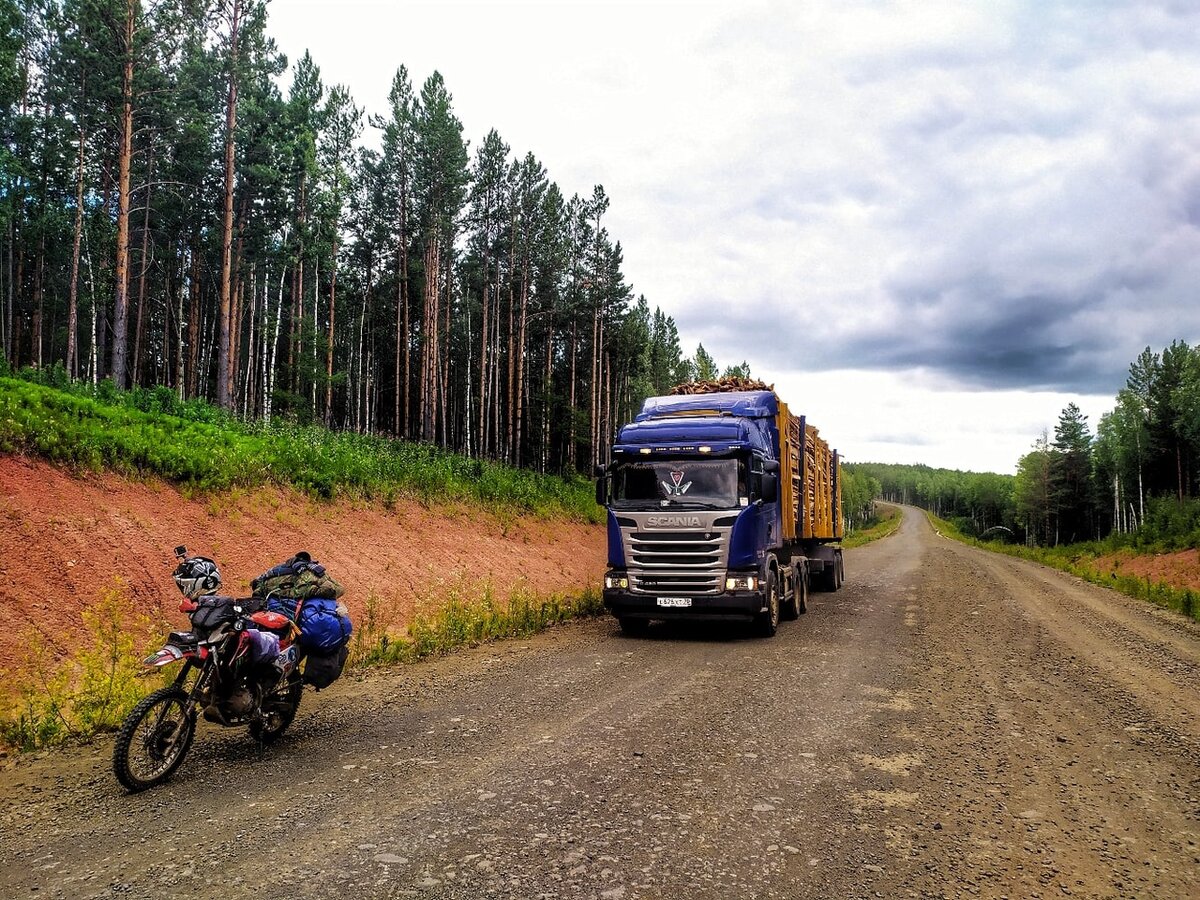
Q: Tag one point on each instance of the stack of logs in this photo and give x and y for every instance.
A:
(721, 385)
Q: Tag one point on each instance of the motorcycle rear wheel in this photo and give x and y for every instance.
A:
(154, 739)
(275, 722)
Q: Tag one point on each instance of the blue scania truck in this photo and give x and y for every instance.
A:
(721, 505)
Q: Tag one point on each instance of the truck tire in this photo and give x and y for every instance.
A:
(633, 627)
(841, 570)
(799, 602)
(829, 580)
(767, 622)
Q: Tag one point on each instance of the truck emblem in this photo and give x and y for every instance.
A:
(675, 489)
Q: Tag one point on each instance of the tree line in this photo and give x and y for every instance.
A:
(1137, 471)
(171, 216)
(1135, 475)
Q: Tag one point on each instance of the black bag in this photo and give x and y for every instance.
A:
(323, 669)
(212, 612)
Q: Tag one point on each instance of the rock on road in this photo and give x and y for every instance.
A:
(951, 723)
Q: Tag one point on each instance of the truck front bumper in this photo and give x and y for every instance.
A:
(736, 605)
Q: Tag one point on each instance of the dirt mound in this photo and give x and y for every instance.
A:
(1180, 569)
(64, 538)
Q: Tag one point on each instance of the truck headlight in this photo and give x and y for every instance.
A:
(616, 580)
(739, 581)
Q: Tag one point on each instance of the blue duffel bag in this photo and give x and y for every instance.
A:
(322, 629)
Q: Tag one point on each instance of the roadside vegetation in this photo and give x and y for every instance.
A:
(1084, 561)
(885, 521)
(47, 699)
(1081, 499)
(149, 431)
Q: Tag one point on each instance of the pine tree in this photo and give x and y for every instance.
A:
(440, 167)
(343, 124)
(399, 140)
(704, 366)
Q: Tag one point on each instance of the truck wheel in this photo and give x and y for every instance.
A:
(795, 606)
(633, 627)
(829, 581)
(767, 622)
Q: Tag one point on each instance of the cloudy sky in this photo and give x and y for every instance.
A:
(931, 225)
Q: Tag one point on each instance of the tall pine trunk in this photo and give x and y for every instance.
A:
(333, 273)
(139, 330)
(124, 159)
(225, 355)
(76, 245)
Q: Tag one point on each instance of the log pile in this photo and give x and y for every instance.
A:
(721, 386)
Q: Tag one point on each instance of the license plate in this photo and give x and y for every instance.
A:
(674, 601)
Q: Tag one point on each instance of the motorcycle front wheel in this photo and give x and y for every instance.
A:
(154, 739)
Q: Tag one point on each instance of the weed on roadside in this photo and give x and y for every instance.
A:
(465, 619)
(888, 524)
(1080, 562)
(48, 699)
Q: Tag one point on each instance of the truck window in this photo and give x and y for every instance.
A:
(709, 482)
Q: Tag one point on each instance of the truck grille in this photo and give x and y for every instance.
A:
(681, 562)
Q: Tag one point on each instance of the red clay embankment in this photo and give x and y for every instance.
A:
(64, 537)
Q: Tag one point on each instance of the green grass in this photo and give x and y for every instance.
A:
(888, 523)
(150, 432)
(1080, 560)
(467, 621)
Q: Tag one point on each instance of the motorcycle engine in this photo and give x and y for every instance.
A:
(241, 702)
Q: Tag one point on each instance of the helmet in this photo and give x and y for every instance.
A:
(197, 576)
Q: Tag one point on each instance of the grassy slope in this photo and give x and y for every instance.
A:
(888, 524)
(196, 446)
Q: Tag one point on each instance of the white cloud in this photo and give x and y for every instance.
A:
(1004, 195)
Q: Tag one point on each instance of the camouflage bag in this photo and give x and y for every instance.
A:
(298, 578)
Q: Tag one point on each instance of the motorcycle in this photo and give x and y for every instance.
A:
(245, 661)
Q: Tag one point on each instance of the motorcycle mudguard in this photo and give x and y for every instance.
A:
(163, 657)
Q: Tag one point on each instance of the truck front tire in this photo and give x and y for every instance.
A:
(768, 621)
(633, 627)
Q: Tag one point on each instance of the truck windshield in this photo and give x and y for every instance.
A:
(716, 483)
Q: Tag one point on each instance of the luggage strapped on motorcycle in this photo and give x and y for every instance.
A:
(301, 589)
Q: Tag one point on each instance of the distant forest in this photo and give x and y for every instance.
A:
(169, 216)
(1137, 475)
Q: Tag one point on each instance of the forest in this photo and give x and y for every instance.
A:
(180, 208)
(1134, 479)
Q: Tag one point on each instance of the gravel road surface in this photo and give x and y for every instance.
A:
(951, 723)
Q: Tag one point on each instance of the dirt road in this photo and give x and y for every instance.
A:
(950, 724)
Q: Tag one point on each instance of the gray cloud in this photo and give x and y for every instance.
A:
(1009, 201)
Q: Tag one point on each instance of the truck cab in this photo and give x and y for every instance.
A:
(696, 514)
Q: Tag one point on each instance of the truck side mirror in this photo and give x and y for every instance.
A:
(770, 488)
(601, 491)
(771, 466)
(599, 470)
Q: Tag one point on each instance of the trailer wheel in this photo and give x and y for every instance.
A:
(767, 622)
(829, 576)
(798, 602)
